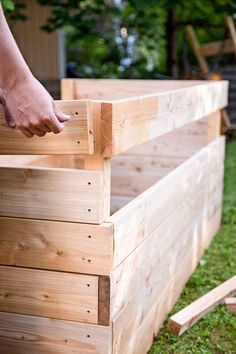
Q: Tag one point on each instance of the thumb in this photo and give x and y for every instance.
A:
(61, 116)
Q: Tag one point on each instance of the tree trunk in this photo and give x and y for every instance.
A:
(172, 67)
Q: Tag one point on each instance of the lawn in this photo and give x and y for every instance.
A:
(216, 332)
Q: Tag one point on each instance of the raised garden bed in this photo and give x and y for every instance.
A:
(102, 225)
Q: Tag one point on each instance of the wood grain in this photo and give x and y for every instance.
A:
(76, 138)
(148, 264)
(143, 315)
(71, 247)
(21, 334)
(142, 216)
(49, 294)
(51, 194)
(129, 122)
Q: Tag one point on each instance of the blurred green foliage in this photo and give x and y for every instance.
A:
(14, 9)
(127, 38)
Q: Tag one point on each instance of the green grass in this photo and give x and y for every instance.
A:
(216, 332)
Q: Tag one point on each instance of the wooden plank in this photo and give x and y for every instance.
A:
(232, 32)
(188, 316)
(52, 194)
(103, 300)
(129, 122)
(132, 325)
(143, 215)
(68, 89)
(150, 324)
(129, 229)
(71, 247)
(76, 138)
(49, 294)
(214, 126)
(182, 142)
(54, 161)
(215, 48)
(98, 162)
(132, 175)
(156, 316)
(197, 48)
(113, 89)
(137, 169)
(230, 303)
(149, 261)
(21, 334)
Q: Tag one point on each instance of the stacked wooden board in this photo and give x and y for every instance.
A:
(102, 225)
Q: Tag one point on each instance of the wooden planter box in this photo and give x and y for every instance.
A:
(102, 225)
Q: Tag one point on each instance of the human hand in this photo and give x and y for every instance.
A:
(29, 107)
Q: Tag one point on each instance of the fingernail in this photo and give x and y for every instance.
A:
(67, 116)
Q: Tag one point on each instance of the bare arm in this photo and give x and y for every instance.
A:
(27, 104)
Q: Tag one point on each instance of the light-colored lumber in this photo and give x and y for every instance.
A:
(21, 334)
(188, 316)
(63, 246)
(76, 138)
(49, 294)
(149, 306)
(197, 48)
(230, 303)
(54, 161)
(182, 142)
(133, 174)
(137, 220)
(139, 168)
(232, 32)
(67, 89)
(214, 126)
(130, 272)
(149, 109)
(98, 162)
(150, 324)
(149, 261)
(153, 265)
(52, 194)
(113, 89)
(129, 122)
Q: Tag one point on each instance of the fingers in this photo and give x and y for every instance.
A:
(10, 121)
(61, 116)
(55, 126)
(26, 132)
(36, 131)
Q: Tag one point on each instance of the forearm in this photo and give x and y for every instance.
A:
(12, 65)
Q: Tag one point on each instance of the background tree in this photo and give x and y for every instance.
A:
(134, 38)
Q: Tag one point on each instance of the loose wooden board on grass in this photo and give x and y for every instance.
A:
(186, 318)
